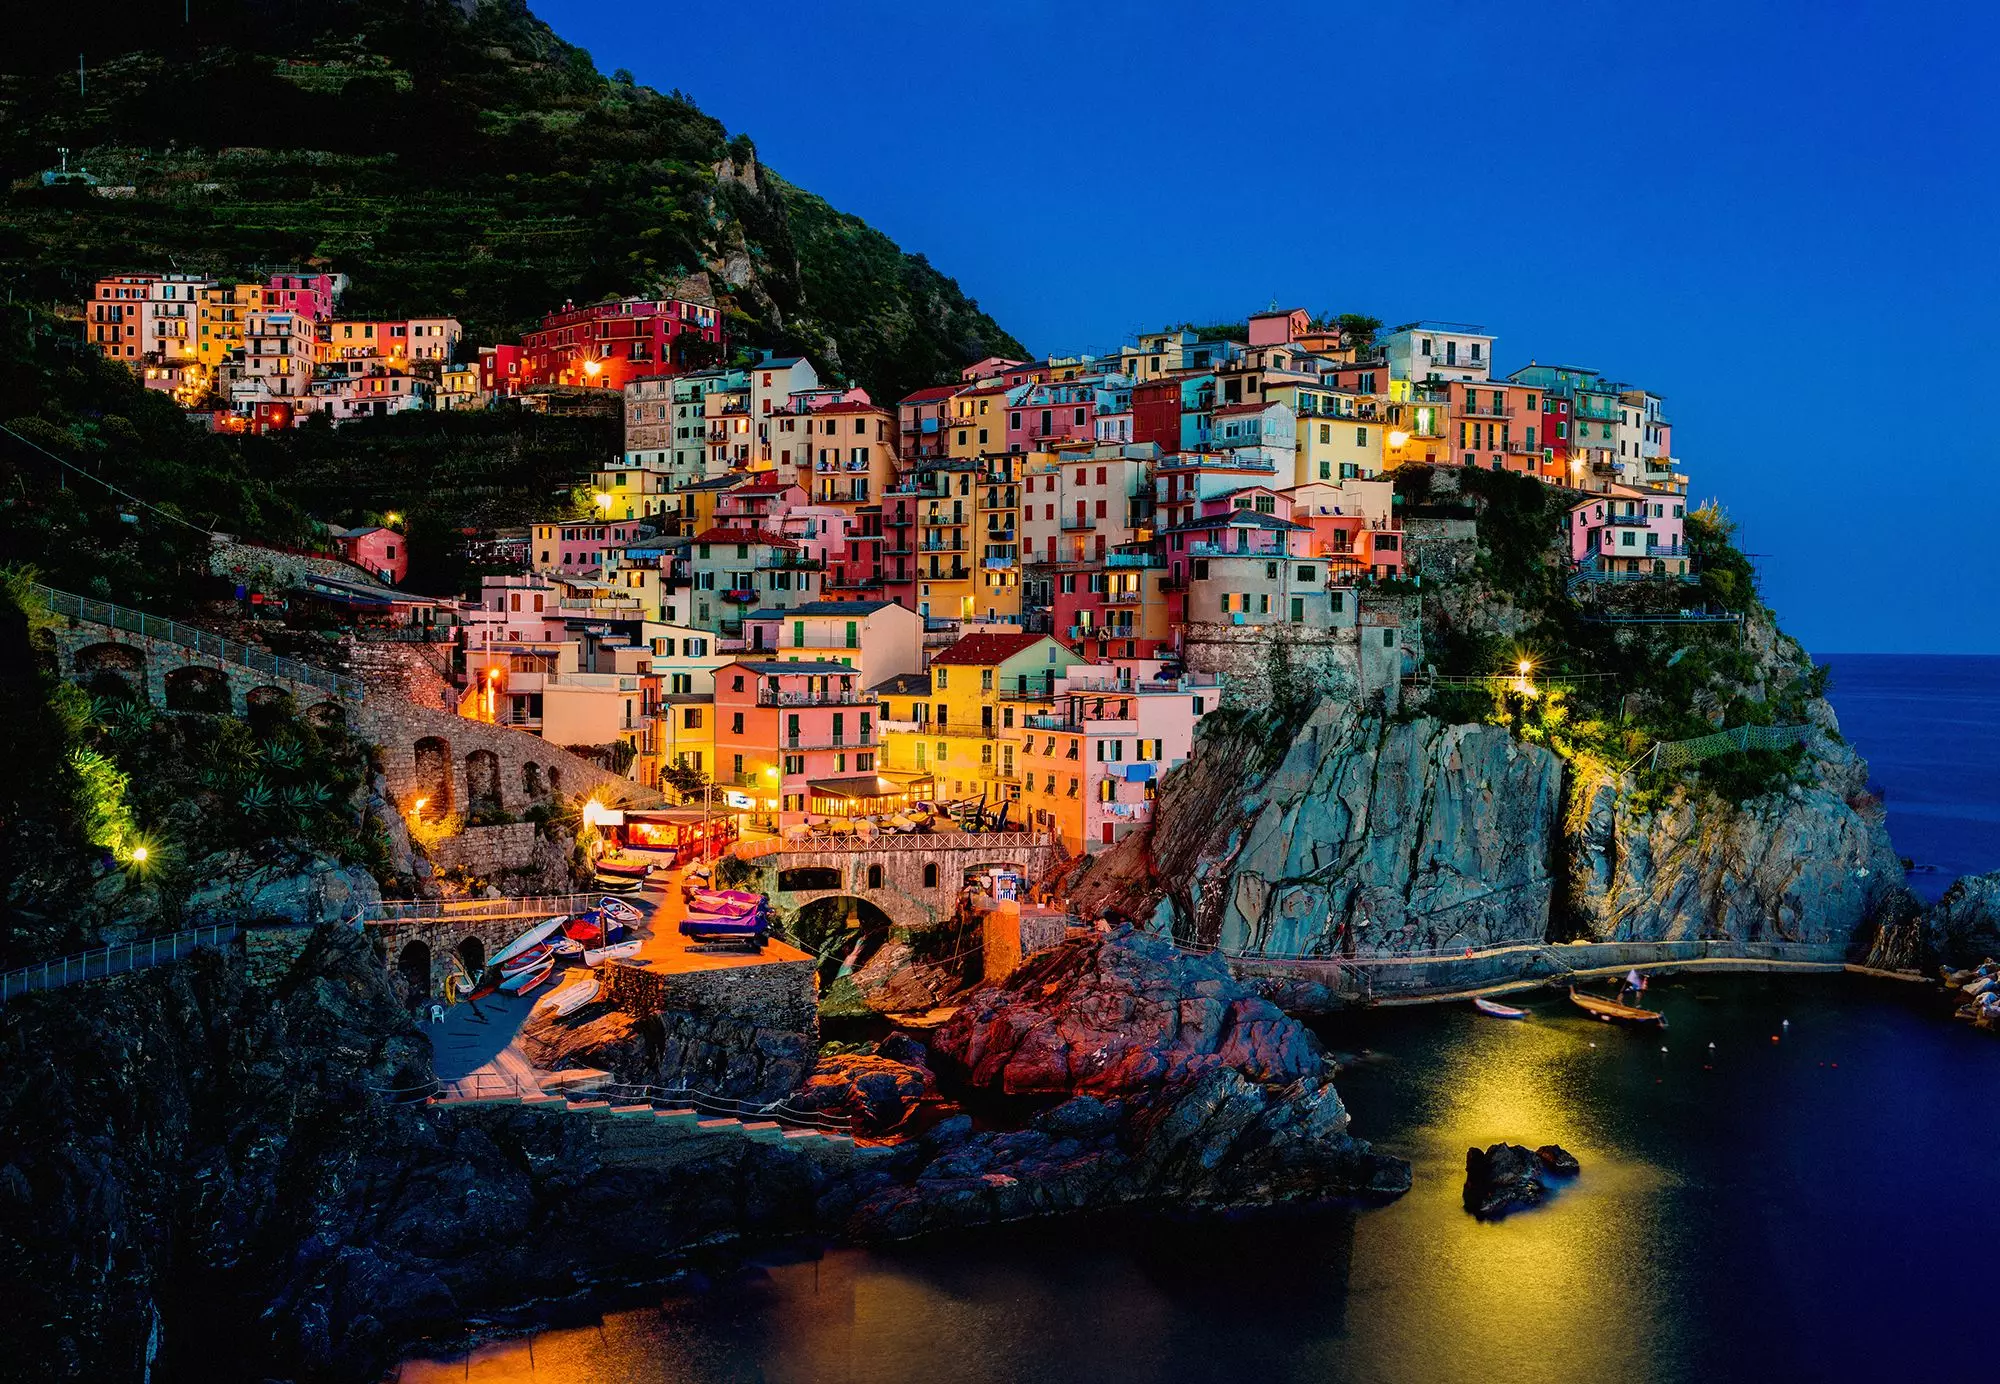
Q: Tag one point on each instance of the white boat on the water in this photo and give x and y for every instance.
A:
(570, 997)
(1497, 1010)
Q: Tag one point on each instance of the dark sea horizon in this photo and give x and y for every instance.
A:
(1929, 727)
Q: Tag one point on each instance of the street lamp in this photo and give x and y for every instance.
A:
(603, 500)
(1399, 439)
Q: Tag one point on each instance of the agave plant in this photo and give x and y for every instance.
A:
(284, 754)
(257, 799)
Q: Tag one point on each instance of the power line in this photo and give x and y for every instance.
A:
(68, 465)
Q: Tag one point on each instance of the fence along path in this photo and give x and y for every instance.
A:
(1671, 754)
(202, 641)
(102, 962)
(682, 1105)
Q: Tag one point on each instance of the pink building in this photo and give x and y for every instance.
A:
(1631, 532)
(1050, 415)
(577, 550)
(382, 551)
(781, 727)
(312, 296)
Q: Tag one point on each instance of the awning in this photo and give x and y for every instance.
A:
(856, 788)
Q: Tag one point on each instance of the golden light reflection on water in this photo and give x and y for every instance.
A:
(1554, 1290)
(1415, 1290)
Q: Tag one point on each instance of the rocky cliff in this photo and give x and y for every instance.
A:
(1383, 836)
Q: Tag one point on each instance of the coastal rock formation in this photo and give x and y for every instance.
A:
(1801, 865)
(1375, 836)
(1508, 1177)
(1118, 1015)
(1964, 925)
(299, 886)
(1183, 1086)
(878, 1093)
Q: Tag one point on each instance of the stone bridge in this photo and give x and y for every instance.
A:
(456, 765)
(423, 943)
(917, 881)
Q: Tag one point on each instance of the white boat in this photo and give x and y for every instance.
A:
(538, 933)
(571, 997)
(618, 910)
(611, 953)
(527, 980)
(1497, 1010)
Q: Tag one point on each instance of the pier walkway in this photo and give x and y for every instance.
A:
(101, 963)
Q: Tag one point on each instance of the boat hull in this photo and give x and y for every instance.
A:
(1616, 1012)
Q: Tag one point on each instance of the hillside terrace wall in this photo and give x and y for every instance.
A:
(276, 569)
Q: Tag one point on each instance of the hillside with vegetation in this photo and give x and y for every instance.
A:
(451, 158)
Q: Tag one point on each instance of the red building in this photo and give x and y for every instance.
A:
(1156, 413)
(608, 345)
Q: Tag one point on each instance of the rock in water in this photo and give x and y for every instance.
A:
(1558, 1160)
(1502, 1178)
(877, 1093)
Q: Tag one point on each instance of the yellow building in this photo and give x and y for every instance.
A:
(977, 426)
(960, 729)
(220, 314)
(1341, 436)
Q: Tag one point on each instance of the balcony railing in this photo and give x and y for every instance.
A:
(860, 740)
(829, 698)
(1077, 523)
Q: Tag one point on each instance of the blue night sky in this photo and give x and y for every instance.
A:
(1779, 216)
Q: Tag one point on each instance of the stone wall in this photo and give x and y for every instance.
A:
(514, 856)
(1010, 933)
(415, 672)
(272, 569)
(778, 995)
(1327, 660)
(1440, 549)
(430, 754)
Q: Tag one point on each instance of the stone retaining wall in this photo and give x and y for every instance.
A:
(1350, 663)
(779, 995)
(487, 851)
(271, 569)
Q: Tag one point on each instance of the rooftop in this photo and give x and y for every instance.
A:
(984, 649)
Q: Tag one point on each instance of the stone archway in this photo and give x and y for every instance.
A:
(432, 780)
(413, 964)
(472, 956)
(841, 930)
(482, 783)
(196, 687)
(268, 698)
(111, 671)
(531, 780)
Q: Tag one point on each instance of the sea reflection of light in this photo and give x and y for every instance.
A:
(1559, 1289)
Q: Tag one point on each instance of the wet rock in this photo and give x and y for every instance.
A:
(1964, 925)
(1558, 1160)
(1117, 1013)
(879, 1095)
(1502, 1178)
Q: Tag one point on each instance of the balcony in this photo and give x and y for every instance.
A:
(1596, 412)
(833, 697)
(740, 595)
(1076, 523)
(1134, 560)
(860, 740)
(1124, 598)
(1487, 410)
(791, 564)
(889, 727)
(1638, 521)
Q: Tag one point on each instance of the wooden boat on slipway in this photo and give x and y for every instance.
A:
(1612, 1010)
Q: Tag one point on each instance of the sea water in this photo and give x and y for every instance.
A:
(1929, 727)
(1814, 1197)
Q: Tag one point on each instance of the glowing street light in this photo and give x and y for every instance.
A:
(603, 500)
(1399, 439)
(593, 368)
(418, 806)
(139, 855)
(1525, 667)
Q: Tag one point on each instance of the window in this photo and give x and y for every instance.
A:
(943, 681)
(874, 876)
(691, 718)
(930, 876)
(1337, 601)
(1361, 437)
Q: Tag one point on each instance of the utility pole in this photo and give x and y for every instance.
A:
(79, 76)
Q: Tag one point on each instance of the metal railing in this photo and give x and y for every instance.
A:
(200, 640)
(544, 906)
(120, 959)
(728, 1107)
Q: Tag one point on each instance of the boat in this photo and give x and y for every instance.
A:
(522, 982)
(614, 952)
(527, 961)
(722, 900)
(1497, 1010)
(718, 925)
(635, 869)
(584, 927)
(622, 886)
(532, 937)
(618, 910)
(567, 946)
(1612, 1009)
(571, 997)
